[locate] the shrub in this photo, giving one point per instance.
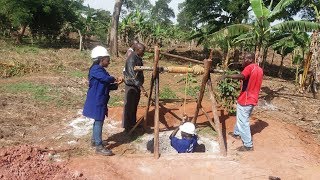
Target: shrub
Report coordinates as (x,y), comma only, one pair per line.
(229,90)
(167,93)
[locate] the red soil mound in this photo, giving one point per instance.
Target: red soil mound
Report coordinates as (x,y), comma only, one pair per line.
(27,162)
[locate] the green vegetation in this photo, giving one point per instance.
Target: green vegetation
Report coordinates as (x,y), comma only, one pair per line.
(167,93)
(206,132)
(37,92)
(115,100)
(78,74)
(192,88)
(229,90)
(45,94)
(226,25)
(193,91)
(22,49)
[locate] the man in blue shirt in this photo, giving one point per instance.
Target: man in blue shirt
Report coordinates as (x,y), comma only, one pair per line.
(188,143)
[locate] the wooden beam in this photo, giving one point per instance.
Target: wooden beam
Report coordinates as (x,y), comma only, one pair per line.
(136,125)
(156,119)
(177,69)
(154,73)
(218,128)
(207,65)
(209,119)
(182,58)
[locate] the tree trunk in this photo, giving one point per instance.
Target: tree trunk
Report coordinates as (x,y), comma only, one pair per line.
(114,28)
(257,53)
(272,57)
(20,35)
(265,54)
(297,74)
(80,43)
(281,67)
(226,60)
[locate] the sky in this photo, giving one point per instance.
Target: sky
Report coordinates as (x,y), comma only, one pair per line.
(109,5)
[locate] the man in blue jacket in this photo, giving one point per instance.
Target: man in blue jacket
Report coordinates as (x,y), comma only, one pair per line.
(189,141)
(100,83)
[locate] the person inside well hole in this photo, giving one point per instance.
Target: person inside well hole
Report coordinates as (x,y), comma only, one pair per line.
(188,142)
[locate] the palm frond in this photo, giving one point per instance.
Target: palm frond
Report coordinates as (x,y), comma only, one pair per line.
(247,38)
(302,26)
(280,7)
(259,9)
(231,31)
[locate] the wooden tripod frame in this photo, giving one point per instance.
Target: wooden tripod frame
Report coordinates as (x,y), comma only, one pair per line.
(206,81)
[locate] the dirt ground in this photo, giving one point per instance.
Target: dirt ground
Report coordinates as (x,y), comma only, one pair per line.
(46,137)
(281,150)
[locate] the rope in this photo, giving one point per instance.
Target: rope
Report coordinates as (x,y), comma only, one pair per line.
(185,95)
(197,70)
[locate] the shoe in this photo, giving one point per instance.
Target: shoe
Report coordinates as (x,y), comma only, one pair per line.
(244,148)
(234,136)
(103,151)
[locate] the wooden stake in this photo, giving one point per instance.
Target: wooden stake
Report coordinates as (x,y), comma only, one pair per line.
(207,65)
(136,125)
(156,119)
(218,128)
(209,119)
(154,73)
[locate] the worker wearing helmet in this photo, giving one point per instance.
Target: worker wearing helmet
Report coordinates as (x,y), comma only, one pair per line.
(100,83)
(188,143)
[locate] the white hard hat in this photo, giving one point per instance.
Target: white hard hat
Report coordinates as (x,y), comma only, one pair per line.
(99,51)
(188,127)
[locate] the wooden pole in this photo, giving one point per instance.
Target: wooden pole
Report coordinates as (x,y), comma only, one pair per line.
(156,118)
(154,73)
(182,58)
(218,128)
(209,119)
(177,69)
(136,125)
(207,65)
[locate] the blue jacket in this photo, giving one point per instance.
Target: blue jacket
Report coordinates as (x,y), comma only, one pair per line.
(100,83)
(184,145)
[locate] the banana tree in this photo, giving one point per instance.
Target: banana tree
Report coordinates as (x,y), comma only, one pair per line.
(286,43)
(258,33)
(314,53)
(283,47)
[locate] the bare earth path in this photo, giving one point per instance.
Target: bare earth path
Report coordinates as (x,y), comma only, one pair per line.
(281,150)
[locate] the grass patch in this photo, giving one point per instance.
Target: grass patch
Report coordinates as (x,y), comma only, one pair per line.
(148,56)
(206,131)
(77,74)
(193,88)
(193,91)
(115,100)
(66,99)
(38,92)
(167,93)
(27,49)
(46,94)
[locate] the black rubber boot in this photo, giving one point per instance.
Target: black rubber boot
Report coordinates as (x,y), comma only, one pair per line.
(103,151)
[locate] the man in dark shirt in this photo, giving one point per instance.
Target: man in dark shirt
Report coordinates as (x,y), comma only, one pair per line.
(133,86)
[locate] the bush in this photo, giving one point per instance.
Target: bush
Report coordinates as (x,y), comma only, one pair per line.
(229,90)
(167,93)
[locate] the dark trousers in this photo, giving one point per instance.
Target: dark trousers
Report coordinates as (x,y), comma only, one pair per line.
(131,101)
